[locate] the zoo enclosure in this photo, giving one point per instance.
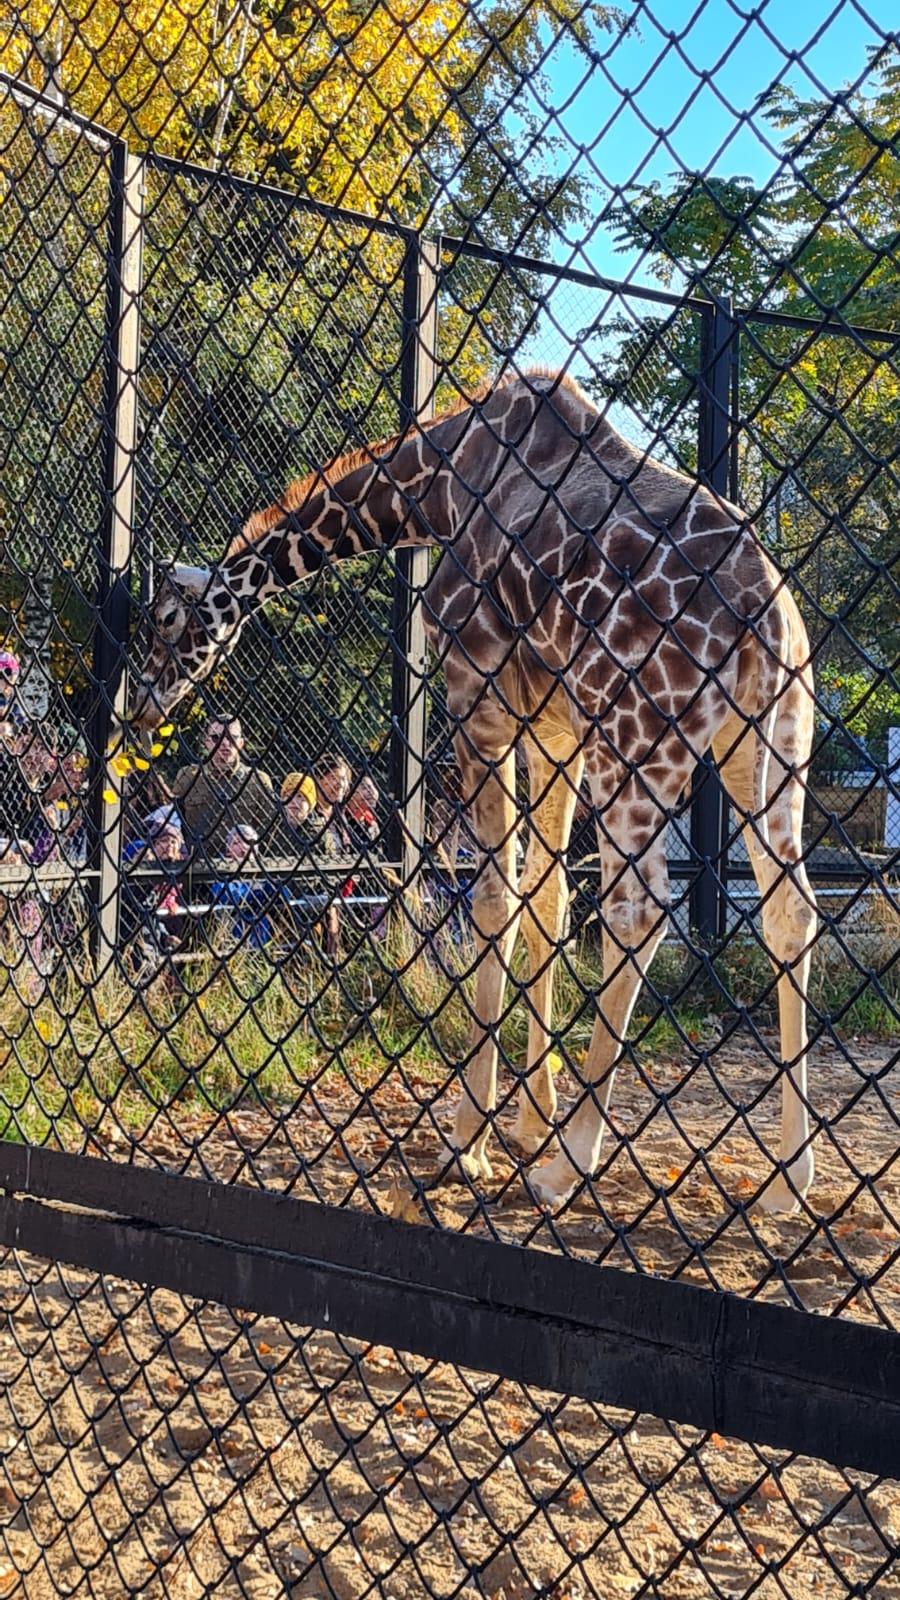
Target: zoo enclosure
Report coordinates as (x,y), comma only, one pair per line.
(719,1362)
(192,441)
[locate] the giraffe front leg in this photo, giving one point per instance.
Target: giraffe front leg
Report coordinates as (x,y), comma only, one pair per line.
(496,908)
(581,1134)
(554,789)
(633,914)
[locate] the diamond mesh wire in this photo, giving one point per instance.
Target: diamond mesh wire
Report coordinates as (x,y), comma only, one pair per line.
(158,1445)
(271,340)
(55,202)
(317,1011)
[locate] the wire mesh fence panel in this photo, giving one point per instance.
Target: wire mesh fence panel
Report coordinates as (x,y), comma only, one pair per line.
(56,182)
(465,684)
(273,339)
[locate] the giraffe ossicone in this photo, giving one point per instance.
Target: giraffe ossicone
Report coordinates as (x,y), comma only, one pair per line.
(616,621)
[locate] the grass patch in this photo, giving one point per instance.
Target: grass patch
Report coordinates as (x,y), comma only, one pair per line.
(232,1027)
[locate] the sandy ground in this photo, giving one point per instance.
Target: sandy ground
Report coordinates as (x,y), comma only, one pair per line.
(680,1170)
(168,1448)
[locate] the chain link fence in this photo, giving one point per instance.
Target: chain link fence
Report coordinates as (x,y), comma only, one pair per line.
(313,1281)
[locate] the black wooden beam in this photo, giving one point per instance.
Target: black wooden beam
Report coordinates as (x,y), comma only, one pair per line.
(821,1386)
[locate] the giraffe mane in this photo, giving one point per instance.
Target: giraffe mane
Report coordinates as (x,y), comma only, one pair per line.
(297,493)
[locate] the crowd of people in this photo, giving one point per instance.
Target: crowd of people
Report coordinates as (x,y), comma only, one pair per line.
(221,813)
(227,814)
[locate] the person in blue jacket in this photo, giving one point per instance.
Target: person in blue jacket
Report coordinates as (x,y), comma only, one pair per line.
(249,900)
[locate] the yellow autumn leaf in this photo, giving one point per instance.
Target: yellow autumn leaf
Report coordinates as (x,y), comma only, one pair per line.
(110,796)
(156,749)
(555,1062)
(121,764)
(167,729)
(141,764)
(42,1027)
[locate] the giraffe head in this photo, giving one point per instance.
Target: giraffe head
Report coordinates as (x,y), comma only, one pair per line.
(194,622)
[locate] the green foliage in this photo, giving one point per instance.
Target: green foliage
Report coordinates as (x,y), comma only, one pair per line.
(868,708)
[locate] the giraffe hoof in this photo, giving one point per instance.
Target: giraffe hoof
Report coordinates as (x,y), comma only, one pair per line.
(551,1191)
(526,1143)
(781,1197)
(465,1167)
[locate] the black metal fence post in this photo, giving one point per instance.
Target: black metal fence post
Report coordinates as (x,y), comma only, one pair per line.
(717,467)
(113,599)
(418,377)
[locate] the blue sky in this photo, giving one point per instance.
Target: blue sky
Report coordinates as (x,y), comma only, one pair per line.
(645,110)
(674,118)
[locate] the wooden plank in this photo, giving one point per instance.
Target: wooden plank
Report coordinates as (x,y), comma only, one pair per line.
(824,1387)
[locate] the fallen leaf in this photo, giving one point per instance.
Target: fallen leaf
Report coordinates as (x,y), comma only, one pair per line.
(9,1579)
(770,1490)
(745,1185)
(717,1440)
(576,1498)
(673,1174)
(400,1204)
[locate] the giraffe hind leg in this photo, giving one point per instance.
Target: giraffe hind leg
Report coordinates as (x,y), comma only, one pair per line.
(774,843)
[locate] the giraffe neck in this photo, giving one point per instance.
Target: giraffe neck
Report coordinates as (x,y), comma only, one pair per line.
(390,501)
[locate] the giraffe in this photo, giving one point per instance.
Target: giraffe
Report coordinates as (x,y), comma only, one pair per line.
(619,620)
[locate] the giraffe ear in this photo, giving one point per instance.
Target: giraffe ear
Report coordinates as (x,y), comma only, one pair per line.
(190,580)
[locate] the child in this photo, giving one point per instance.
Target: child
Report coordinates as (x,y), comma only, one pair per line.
(250,900)
(299,798)
(152,920)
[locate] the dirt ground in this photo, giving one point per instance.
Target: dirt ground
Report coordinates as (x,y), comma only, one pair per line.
(686,1156)
(170,1448)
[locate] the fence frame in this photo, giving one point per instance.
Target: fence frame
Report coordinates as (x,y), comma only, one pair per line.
(111,638)
(410,666)
(717,466)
